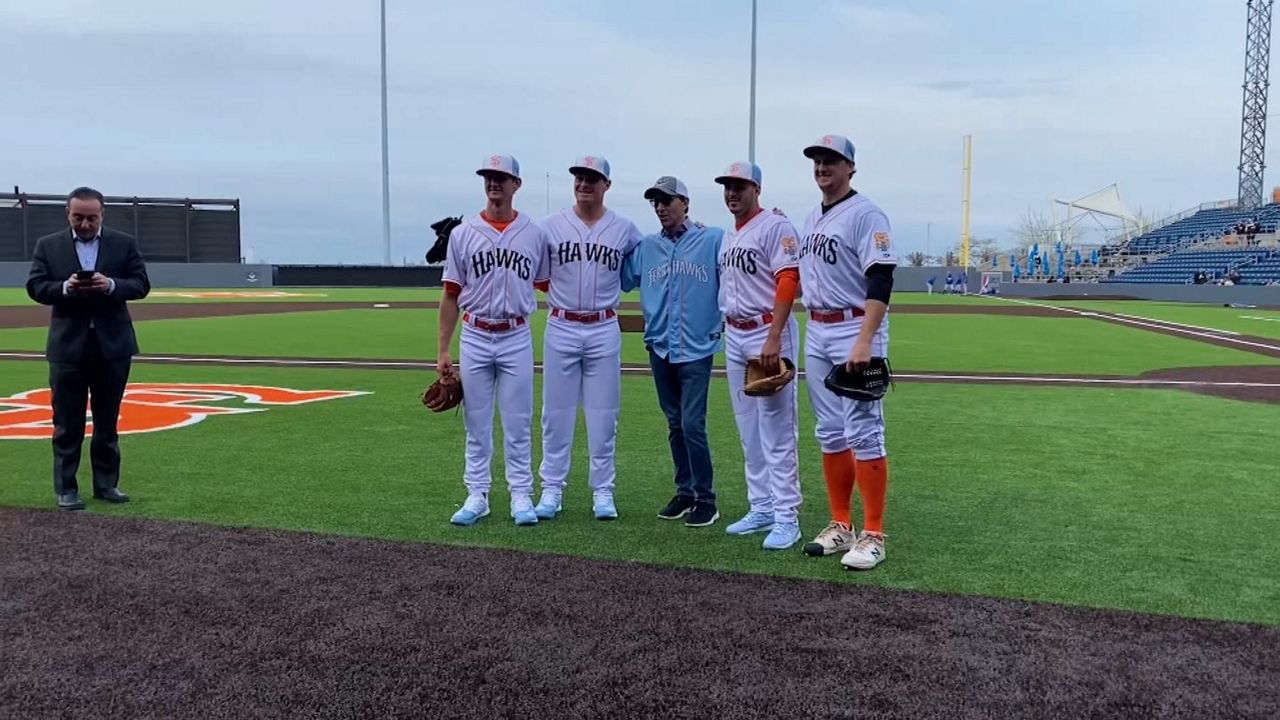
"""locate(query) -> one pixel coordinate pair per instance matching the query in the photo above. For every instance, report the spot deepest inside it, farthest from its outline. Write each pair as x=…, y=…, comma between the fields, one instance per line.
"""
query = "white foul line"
x=640, y=370
x=1258, y=317
x=1153, y=324
x=1186, y=325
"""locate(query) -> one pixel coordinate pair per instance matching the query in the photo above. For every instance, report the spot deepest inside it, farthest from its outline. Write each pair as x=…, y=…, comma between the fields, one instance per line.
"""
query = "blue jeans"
x=682, y=394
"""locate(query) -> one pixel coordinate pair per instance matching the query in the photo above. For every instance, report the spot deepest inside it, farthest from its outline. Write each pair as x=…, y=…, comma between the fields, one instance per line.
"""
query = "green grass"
x=930, y=342
x=1156, y=501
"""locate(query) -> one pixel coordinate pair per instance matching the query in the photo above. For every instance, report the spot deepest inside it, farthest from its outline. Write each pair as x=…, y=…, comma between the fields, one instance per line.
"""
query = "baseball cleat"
x=782, y=536
x=522, y=510
x=868, y=553
x=752, y=522
x=549, y=506
x=602, y=505
x=835, y=537
x=475, y=507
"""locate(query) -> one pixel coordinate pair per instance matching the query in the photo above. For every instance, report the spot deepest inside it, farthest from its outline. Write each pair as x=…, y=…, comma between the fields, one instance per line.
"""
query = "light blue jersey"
x=679, y=286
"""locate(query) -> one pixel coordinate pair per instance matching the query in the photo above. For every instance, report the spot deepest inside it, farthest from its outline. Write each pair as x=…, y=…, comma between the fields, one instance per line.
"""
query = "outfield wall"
x=174, y=275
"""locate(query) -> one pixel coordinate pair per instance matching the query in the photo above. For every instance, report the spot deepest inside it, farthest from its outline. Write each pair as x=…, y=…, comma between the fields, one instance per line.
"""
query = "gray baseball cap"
x=667, y=185
x=838, y=144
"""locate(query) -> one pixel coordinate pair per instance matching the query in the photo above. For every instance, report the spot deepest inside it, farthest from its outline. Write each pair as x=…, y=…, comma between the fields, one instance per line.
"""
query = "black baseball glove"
x=867, y=384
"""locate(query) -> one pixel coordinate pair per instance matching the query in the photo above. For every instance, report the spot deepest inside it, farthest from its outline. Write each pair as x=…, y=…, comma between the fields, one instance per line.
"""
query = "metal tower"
x=1253, y=123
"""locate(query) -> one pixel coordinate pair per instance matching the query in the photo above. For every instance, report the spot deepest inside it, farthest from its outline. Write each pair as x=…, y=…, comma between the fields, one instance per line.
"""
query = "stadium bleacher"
x=1206, y=224
x=1256, y=266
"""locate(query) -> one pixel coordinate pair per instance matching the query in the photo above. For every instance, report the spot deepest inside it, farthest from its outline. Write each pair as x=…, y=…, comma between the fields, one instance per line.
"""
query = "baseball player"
x=490, y=266
x=949, y=283
x=582, y=352
x=759, y=276
x=846, y=268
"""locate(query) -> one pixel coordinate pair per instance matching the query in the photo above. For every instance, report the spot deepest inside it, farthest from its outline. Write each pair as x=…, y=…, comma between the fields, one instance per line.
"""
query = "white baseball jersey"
x=495, y=270
x=584, y=264
x=837, y=249
x=750, y=260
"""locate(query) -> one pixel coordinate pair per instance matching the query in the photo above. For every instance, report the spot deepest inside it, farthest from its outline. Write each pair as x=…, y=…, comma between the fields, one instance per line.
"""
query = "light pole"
x=751, y=142
x=386, y=174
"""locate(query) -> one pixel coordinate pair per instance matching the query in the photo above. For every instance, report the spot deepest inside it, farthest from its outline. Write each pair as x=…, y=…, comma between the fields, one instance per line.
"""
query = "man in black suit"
x=87, y=273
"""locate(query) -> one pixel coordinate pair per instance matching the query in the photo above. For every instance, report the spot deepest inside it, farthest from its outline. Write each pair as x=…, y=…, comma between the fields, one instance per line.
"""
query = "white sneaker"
x=602, y=505
x=868, y=553
x=549, y=506
x=475, y=507
x=522, y=510
x=834, y=538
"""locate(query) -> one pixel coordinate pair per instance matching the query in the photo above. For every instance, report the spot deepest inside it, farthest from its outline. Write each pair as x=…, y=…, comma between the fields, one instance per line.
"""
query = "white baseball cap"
x=500, y=163
x=838, y=144
x=667, y=185
x=594, y=163
x=741, y=170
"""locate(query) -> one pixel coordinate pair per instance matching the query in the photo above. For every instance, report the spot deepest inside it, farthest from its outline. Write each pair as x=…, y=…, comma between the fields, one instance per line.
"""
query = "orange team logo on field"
x=152, y=407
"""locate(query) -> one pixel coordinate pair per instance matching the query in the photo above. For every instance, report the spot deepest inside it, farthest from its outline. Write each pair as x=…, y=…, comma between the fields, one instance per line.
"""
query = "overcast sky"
x=277, y=103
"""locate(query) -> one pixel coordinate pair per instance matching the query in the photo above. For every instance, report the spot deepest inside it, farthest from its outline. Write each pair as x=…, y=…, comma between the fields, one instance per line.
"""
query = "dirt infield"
x=123, y=618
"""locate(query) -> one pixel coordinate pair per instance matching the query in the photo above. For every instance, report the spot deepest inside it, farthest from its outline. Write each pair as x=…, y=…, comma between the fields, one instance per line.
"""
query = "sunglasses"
x=663, y=200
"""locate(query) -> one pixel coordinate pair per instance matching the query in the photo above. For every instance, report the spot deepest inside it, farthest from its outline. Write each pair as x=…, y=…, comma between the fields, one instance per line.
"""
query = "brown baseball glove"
x=762, y=381
x=631, y=322
x=443, y=394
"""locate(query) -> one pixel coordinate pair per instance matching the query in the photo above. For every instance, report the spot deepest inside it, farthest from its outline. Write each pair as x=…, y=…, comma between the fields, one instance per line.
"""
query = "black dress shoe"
x=70, y=501
x=111, y=495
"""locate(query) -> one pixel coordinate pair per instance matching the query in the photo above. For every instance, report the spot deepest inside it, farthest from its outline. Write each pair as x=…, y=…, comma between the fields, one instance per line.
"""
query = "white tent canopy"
x=1103, y=207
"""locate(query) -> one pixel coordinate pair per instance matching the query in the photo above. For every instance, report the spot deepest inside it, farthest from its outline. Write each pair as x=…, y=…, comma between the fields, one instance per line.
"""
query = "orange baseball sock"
x=837, y=470
x=873, y=480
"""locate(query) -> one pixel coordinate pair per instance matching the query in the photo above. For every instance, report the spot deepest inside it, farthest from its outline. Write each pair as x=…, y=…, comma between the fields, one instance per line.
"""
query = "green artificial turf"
x=1156, y=501
x=973, y=343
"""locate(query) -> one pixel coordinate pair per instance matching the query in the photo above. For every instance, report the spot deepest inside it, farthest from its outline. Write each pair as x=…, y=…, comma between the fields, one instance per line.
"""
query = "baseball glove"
x=443, y=394
x=866, y=385
x=762, y=381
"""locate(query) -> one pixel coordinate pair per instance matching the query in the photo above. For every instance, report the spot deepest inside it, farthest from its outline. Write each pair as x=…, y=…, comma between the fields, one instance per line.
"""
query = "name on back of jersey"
x=570, y=252
x=821, y=246
x=485, y=261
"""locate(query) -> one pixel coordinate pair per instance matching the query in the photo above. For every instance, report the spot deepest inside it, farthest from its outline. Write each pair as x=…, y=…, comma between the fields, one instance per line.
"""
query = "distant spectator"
x=1201, y=277
x=1233, y=277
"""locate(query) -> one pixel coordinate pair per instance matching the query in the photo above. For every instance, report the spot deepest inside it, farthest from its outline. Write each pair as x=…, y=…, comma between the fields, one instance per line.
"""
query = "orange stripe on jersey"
x=451, y=288
x=499, y=226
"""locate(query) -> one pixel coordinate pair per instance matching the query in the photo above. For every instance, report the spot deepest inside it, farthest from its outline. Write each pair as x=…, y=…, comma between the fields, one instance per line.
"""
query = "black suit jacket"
x=54, y=260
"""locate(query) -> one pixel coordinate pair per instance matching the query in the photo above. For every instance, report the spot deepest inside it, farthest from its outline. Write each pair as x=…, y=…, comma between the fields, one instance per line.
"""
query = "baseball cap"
x=667, y=185
x=837, y=144
x=594, y=163
x=741, y=170
x=500, y=163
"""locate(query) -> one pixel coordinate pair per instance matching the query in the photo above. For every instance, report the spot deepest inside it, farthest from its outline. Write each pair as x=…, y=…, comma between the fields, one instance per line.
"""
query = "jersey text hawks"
x=570, y=252
x=486, y=260
x=820, y=246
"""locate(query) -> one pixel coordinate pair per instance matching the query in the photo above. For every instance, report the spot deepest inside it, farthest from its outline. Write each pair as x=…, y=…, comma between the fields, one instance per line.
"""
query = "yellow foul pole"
x=964, y=221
